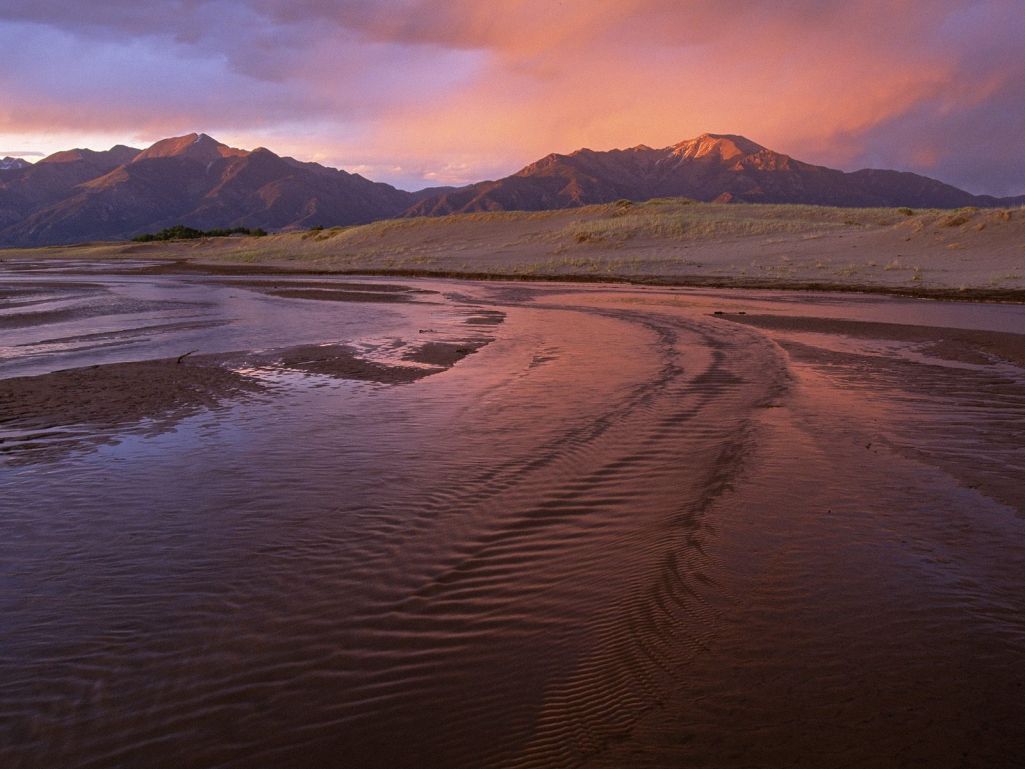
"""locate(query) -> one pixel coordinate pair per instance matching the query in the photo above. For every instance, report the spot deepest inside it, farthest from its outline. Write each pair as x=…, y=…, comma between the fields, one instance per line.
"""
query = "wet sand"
x=937, y=368
x=118, y=392
x=45, y=415
x=611, y=528
x=49, y=414
x=333, y=291
x=111, y=396
x=956, y=344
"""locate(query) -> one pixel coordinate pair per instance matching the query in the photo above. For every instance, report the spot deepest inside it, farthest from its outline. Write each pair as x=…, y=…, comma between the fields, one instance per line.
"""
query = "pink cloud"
x=427, y=91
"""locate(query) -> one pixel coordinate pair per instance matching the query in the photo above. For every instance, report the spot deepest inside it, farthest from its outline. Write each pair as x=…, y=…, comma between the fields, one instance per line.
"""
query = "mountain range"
x=82, y=195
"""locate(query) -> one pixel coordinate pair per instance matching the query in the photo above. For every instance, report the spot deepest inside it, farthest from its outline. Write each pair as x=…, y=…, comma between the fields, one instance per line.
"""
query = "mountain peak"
x=9, y=163
x=721, y=146
x=68, y=156
x=194, y=146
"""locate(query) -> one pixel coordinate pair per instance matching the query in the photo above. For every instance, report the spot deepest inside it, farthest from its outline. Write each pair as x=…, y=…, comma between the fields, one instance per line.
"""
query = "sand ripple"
x=623, y=533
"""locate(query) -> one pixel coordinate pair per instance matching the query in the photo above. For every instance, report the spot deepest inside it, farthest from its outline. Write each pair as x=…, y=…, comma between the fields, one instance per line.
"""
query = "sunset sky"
x=426, y=92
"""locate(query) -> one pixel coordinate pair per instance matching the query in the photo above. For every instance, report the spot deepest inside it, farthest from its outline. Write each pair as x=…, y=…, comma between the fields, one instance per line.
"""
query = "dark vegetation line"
x=181, y=232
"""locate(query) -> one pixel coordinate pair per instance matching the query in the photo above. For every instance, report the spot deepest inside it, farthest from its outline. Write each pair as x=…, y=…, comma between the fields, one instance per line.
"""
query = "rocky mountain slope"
x=83, y=195
x=193, y=180
x=710, y=168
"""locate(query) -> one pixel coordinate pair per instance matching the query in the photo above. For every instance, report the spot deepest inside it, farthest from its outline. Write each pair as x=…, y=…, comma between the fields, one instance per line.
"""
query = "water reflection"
x=624, y=531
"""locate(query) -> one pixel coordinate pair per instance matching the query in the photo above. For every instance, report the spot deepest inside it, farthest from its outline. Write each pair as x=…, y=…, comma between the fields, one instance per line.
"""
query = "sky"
x=426, y=92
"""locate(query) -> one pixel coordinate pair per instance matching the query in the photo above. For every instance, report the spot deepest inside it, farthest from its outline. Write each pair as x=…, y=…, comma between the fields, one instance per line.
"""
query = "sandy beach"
x=277, y=519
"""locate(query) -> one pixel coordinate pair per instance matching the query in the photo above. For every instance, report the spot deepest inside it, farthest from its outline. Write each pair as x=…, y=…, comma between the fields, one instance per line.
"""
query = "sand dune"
x=968, y=252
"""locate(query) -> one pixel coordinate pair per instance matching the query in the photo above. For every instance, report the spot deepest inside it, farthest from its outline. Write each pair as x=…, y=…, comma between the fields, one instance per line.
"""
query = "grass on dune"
x=670, y=219
x=666, y=219
x=678, y=219
x=590, y=239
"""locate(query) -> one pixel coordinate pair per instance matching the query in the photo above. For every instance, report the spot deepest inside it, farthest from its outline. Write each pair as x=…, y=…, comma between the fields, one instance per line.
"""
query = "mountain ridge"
x=710, y=167
x=192, y=180
x=81, y=195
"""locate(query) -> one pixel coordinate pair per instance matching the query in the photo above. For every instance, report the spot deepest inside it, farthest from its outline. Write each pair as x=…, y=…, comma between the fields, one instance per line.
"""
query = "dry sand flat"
x=967, y=253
